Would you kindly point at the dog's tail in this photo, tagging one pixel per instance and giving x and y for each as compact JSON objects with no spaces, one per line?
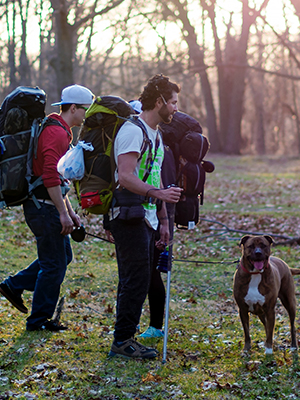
{"x":295,"y":271}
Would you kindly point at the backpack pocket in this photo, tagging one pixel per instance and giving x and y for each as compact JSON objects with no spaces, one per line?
{"x":13,"y":163}
{"x":132,"y":214}
{"x":191,"y":178}
{"x":95,"y":194}
{"x":13,"y":170}
{"x":187,"y":212}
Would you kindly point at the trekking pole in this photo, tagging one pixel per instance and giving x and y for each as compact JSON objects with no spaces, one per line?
{"x":167,"y":306}
{"x":171,"y":215}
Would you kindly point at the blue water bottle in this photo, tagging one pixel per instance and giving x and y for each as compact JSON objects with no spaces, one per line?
{"x":163,"y":260}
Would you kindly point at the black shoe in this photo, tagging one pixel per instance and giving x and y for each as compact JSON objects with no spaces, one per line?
{"x":48,"y":326}
{"x":15,"y":300}
{"x":132,"y":349}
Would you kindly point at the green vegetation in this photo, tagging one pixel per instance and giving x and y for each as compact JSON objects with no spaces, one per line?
{"x":204,"y":354}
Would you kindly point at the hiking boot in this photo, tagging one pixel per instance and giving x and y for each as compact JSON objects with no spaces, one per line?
{"x":15,"y":300}
{"x":130,"y":348}
{"x":151,"y":332}
{"x":47,"y":326}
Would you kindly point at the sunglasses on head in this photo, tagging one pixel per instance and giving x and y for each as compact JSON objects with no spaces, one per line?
{"x":162,"y":97}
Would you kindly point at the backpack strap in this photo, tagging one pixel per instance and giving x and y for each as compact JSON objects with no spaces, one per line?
{"x":47,"y":121}
{"x":146,"y":143}
{"x":36,"y":129}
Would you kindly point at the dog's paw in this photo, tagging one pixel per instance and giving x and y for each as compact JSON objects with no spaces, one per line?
{"x":268,"y":350}
{"x":246,"y":353}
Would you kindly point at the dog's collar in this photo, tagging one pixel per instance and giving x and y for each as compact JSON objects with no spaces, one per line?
{"x":252,"y":273}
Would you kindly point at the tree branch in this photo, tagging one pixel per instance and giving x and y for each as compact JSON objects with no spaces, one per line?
{"x":94,"y":14}
{"x":282,"y":75}
{"x":286,"y":240}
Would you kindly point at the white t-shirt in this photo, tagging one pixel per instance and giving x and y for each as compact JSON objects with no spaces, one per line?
{"x":130,"y":139}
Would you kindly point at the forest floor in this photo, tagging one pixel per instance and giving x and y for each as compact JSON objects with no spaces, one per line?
{"x":204,"y":351}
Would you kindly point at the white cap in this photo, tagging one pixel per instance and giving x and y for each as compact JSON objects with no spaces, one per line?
{"x":136,"y":105}
{"x":75,"y":94}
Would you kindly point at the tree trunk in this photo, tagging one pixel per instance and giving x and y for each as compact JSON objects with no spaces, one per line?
{"x":11,"y":34}
{"x":233,"y":134}
{"x":258,"y":89}
{"x":197,"y":65}
{"x":296,"y":5}
{"x":24,"y":68}
{"x":224,"y":78}
{"x":258,"y":126}
{"x":65,"y":37}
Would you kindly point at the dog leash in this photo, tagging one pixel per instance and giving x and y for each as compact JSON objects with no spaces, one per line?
{"x":207,"y":262}
{"x":78,"y":235}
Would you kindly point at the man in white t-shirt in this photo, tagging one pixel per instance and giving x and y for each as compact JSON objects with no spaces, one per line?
{"x":135,"y":219}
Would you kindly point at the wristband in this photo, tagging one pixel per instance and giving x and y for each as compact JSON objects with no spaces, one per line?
{"x":149,"y":191}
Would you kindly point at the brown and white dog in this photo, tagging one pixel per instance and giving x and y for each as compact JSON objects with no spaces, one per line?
{"x":259,"y":280}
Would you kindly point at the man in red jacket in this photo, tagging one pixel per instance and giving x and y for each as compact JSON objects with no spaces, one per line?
{"x":51,"y":218}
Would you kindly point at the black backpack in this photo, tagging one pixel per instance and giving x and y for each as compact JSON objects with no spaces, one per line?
{"x":183,"y":136}
{"x":22,"y":119}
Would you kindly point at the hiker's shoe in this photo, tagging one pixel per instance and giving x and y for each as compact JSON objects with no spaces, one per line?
{"x":47,"y":326}
{"x":15,"y":300}
{"x":130,"y":348}
{"x":151,"y":332}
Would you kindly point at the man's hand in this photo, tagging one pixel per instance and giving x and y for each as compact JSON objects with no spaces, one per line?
{"x":68,"y":218}
{"x":66,"y":223}
{"x":169,"y":195}
{"x":109,"y":236}
{"x":75,"y":218}
{"x":164,"y":234}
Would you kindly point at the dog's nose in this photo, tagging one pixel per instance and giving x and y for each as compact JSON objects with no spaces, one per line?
{"x":258,"y":253}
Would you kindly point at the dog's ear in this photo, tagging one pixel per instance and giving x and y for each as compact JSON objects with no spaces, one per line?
{"x":269,"y":239}
{"x":244,"y":239}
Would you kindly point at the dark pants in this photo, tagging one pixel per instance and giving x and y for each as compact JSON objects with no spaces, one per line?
{"x":134,"y":249}
{"x":157,"y":292}
{"x":156,"y":295}
{"x":44,"y":275}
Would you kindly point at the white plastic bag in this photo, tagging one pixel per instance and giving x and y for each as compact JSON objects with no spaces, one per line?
{"x":71,"y":165}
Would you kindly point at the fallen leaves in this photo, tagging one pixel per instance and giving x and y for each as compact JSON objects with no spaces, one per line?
{"x":253,"y":365}
{"x":207,"y":385}
{"x":150,"y":377}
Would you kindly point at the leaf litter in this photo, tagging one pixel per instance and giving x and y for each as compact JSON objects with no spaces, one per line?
{"x":205,"y":336}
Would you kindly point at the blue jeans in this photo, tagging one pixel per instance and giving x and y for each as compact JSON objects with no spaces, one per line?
{"x":134,"y":249}
{"x":45,"y":275}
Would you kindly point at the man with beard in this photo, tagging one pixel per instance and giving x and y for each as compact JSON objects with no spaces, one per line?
{"x":134,"y":221}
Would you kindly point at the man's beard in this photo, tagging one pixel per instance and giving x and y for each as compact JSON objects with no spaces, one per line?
{"x":165,"y":114}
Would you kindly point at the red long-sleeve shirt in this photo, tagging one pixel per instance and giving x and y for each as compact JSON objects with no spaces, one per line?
{"x":53,"y":143}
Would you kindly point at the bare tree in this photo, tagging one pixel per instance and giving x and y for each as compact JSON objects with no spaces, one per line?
{"x":257,"y":87}
{"x":24,"y":69}
{"x":10,"y":18}
{"x":296,"y":4}
{"x":242,"y":86}
{"x":231,"y":65}
{"x":66,"y":34}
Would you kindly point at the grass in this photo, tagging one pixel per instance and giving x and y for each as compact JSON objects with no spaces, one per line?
{"x":204,"y":353}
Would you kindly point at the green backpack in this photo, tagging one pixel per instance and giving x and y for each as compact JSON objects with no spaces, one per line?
{"x":102,"y":122}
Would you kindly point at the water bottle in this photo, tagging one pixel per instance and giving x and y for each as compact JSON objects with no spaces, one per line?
{"x":162,"y":265}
